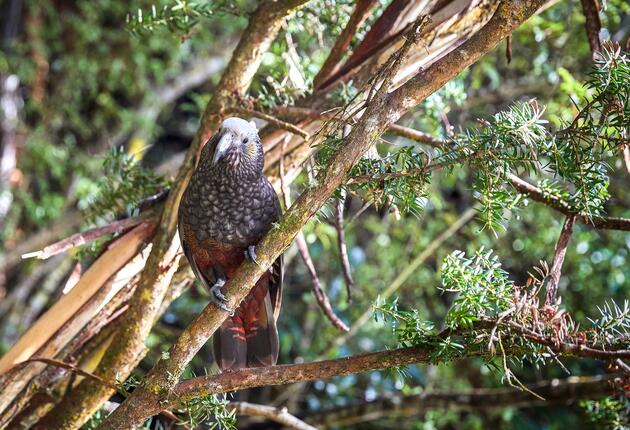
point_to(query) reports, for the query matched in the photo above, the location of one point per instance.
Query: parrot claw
(218, 298)
(250, 254)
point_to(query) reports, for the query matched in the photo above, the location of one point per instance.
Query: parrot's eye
(245, 140)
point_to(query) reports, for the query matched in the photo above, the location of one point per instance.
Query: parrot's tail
(250, 337)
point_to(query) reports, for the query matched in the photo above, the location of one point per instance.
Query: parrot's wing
(203, 278)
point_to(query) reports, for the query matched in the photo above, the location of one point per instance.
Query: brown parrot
(227, 208)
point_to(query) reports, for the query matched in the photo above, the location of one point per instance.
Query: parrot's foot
(216, 293)
(250, 254)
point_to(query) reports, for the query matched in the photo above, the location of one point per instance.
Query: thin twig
(416, 135)
(320, 296)
(68, 366)
(558, 260)
(322, 299)
(279, 415)
(536, 194)
(360, 212)
(275, 122)
(343, 248)
(84, 237)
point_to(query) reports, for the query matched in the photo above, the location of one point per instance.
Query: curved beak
(222, 146)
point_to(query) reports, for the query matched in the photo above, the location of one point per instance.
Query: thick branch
(286, 374)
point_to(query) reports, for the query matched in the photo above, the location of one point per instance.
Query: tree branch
(593, 24)
(343, 247)
(68, 366)
(274, 121)
(286, 374)
(558, 260)
(320, 296)
(536, 194)
(69, 221)
(279, 415)
(87, 236)
(339, 50)
(533, 192)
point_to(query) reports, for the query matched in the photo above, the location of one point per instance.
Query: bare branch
(322, 299)
(558, 260)
(415, 135)
(320, 296)
(536, 194)
(331, 65)
(343, 248)
(68, 221)
(279, 415)
(84, 237)
(68, 366)
(286, 374)
(274, 121)
(593, 24)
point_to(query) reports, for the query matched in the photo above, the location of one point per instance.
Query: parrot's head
(237, 147)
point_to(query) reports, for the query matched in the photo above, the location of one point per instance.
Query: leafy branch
(179, 16)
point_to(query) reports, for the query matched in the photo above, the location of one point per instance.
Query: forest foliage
(101, 127)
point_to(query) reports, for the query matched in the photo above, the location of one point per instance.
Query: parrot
(225, 210)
